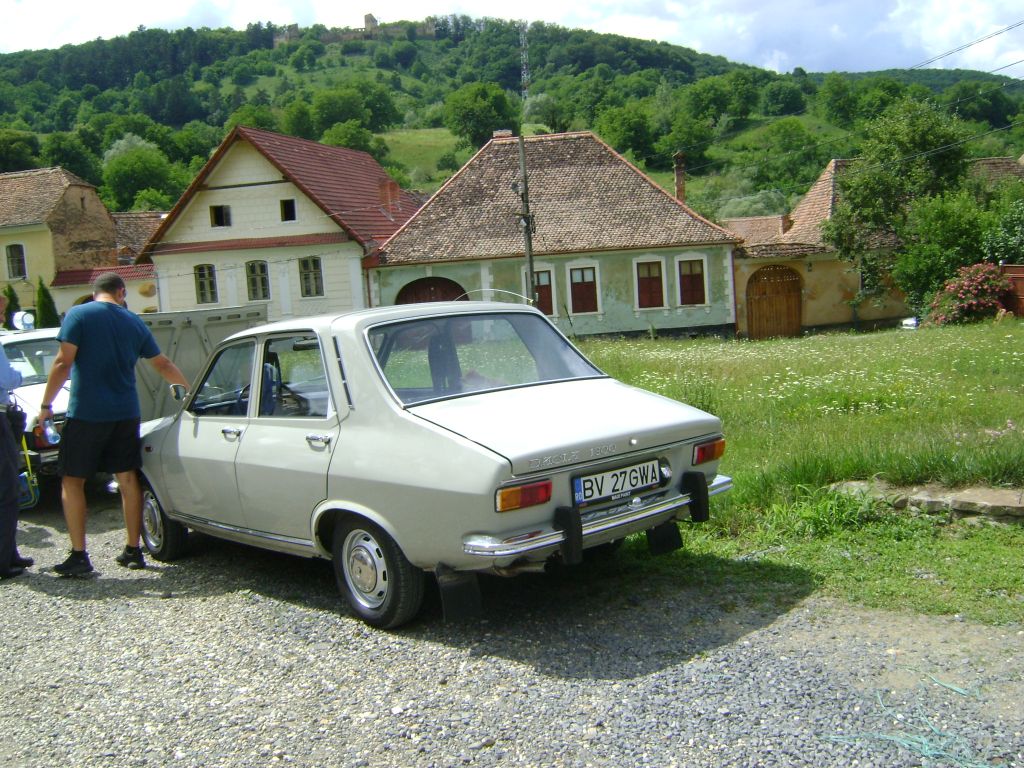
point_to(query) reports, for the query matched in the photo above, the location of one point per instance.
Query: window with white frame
(650, 285)
(257, 280)
(311, 277)
(583, 289)
(16, 261)
(206, 283)
(692, 285)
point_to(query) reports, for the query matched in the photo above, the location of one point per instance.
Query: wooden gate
(773, 302)
(1015, 300)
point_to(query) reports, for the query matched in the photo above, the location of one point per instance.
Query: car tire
(382, 586)
(165, 539)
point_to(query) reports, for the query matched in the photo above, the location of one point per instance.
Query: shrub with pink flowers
(974, 294)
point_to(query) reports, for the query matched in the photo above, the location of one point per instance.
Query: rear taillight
(520, 496)
(706, 452)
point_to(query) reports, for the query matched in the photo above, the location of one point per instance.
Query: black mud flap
(696, 485)
(664, 538)
(460, 593)
(569, 522)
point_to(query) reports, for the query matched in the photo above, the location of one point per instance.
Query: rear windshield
(440, 357)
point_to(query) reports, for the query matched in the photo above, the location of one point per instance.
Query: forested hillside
(138, 115)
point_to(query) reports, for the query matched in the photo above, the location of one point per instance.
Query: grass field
(939, 405)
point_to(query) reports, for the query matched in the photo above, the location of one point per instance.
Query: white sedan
(446, 438)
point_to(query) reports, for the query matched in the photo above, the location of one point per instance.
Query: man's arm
(162, 364)
(58, 375)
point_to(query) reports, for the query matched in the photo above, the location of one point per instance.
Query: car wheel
(165, 539)
(383, 588)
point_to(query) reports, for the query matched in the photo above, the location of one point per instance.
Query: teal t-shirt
(110, 341)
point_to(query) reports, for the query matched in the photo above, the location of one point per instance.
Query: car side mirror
(179, 392)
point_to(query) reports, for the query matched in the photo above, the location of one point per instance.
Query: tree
(627, 128)
(913, 150)
(836, 101)
(128, 173)
(69, 151)
(297, 120)
(782, 97)
(353, 135)
(253, 116)
(476, 110)
(13, 305)
(18, 150)
(338, 106)
(46, 310)
(943, 233)
(1004, 242)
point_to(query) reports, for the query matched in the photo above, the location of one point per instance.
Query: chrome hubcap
(152, 523)
(365, 569)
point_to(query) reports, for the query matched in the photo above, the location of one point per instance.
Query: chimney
(502, 133)
(679, 160)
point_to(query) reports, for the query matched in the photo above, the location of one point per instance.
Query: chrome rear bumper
(628, 519)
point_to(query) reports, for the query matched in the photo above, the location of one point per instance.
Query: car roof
(364, 317)
(12, 337)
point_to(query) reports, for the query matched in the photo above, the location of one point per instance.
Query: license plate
(616, 484)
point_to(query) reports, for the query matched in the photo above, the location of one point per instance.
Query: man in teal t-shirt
(100, 343)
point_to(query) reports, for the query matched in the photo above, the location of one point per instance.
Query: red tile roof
(348, 185)
(69, 277)
(584, 197)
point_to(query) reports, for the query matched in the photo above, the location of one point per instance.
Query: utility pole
(526, 220)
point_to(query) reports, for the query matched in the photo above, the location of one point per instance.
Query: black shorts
(88, 447)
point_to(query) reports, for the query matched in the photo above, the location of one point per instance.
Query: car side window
(226, 388)
(293, 380)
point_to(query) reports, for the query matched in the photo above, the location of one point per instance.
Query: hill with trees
(138, 115)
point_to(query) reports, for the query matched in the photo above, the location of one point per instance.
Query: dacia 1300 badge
(444, 439)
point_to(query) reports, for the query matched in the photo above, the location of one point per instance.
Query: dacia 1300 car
(450, 439)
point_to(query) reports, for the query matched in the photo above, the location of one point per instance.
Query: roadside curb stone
(1005, 505)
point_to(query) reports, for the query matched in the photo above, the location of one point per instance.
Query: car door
(200, 464)
(282, 462)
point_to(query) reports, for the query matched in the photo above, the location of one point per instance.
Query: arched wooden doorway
(773, 302)
(431, 289)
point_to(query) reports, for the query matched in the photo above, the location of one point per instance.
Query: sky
(817, 35)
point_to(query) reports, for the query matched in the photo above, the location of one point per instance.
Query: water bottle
(50, 432)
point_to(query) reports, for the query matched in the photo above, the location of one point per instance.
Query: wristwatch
(45, 407)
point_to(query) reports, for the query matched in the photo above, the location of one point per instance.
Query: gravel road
(234, 657)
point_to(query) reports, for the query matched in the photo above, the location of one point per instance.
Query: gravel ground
(235, 657)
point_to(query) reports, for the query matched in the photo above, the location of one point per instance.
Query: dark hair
(109, 283)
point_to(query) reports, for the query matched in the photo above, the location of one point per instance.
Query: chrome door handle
(322, 439)
(231, 432)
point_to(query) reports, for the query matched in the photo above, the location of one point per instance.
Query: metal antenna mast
(524, 57)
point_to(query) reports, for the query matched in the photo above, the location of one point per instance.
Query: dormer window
(288, 210)
(220, 215)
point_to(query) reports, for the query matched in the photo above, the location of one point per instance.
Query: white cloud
(780, 34)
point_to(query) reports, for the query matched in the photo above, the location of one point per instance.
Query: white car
(32, 353)
(446, 438)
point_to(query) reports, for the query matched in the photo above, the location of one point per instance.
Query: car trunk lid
(553, 425)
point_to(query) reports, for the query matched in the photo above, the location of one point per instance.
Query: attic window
(287, 210)
(220, 215)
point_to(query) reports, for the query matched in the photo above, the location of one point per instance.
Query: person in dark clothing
(11, 563)
(100, 343)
